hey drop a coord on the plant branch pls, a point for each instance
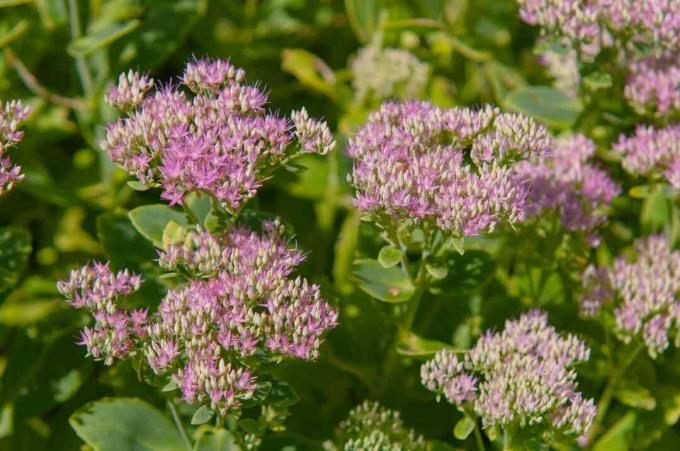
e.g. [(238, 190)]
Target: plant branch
[(180, 426), (81, 64), (33, 85)]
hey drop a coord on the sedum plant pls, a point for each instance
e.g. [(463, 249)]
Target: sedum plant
[(233, 308)]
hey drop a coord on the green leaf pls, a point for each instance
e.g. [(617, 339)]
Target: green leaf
[(464, 427), (618, 436), (215, 440), (164, 26), (389, 256), (458, 244), (137, 185), (124, 246), (282, 394), (251, 426), (363, 17), (15, 247), (636, 396), (310, 70), (467, 273), (437, 271), (345, 248), (173, 234), (438, 445), (655, 212), (385, 284), (598, 80), (89, 43), (202, 415), (151, 220), (545, 104), (125, 424), (199, 205), (416, 346)]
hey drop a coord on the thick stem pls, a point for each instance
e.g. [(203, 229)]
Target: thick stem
[(507, 438), (180, 426), (608, 393)]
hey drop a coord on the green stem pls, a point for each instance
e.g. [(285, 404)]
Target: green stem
[(414, 302), (506, 440), (478, 438), (81, 65), (180, 426), (608, 393)]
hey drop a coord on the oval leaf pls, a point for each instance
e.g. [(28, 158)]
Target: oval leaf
[(463, 428), (389, 256), (151, 220), (545, 104), (416, 346), (202, 415), (125, 424), (385, 284)]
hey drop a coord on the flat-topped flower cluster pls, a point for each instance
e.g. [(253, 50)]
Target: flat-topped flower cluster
[(372, 426), (652, 152), (210, 133), (11, 115), (455, 169), (519, 377), (591, 25), (568, 182), (240, 306), (642, 292)]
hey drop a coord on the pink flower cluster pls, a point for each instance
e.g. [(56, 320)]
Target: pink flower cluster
[(452, 168), (241, 306), (566, 182), (654, 84), (213, 136), (590, 25), (11, 116), (520, 376), (652, 152), (96, 288), (643, 293)]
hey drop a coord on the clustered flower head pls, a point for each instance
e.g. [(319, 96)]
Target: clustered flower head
[(96, 288), (521, 376), (240, 306), (209, 133), (591, 25), (11, 116), (566, 182), (643, 293), (651, 151), (654, 84), (370, 426), (380, 73), (453, 168)]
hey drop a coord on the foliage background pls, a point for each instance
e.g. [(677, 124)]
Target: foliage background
[(61, 55)]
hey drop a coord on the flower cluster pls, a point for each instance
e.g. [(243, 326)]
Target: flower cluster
[(521, 376), (379, 74), (654, 84), (651, 151), (371, 426), (214, 136), (11, 116), (453, 168), (644, 293), (590, 25), (96, 288), (568, 183), (241, 305)]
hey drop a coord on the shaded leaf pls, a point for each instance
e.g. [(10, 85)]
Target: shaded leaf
[(384, 284), (202, 415), (464, 427), (15, 247), (151, 220), (389, 256)]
